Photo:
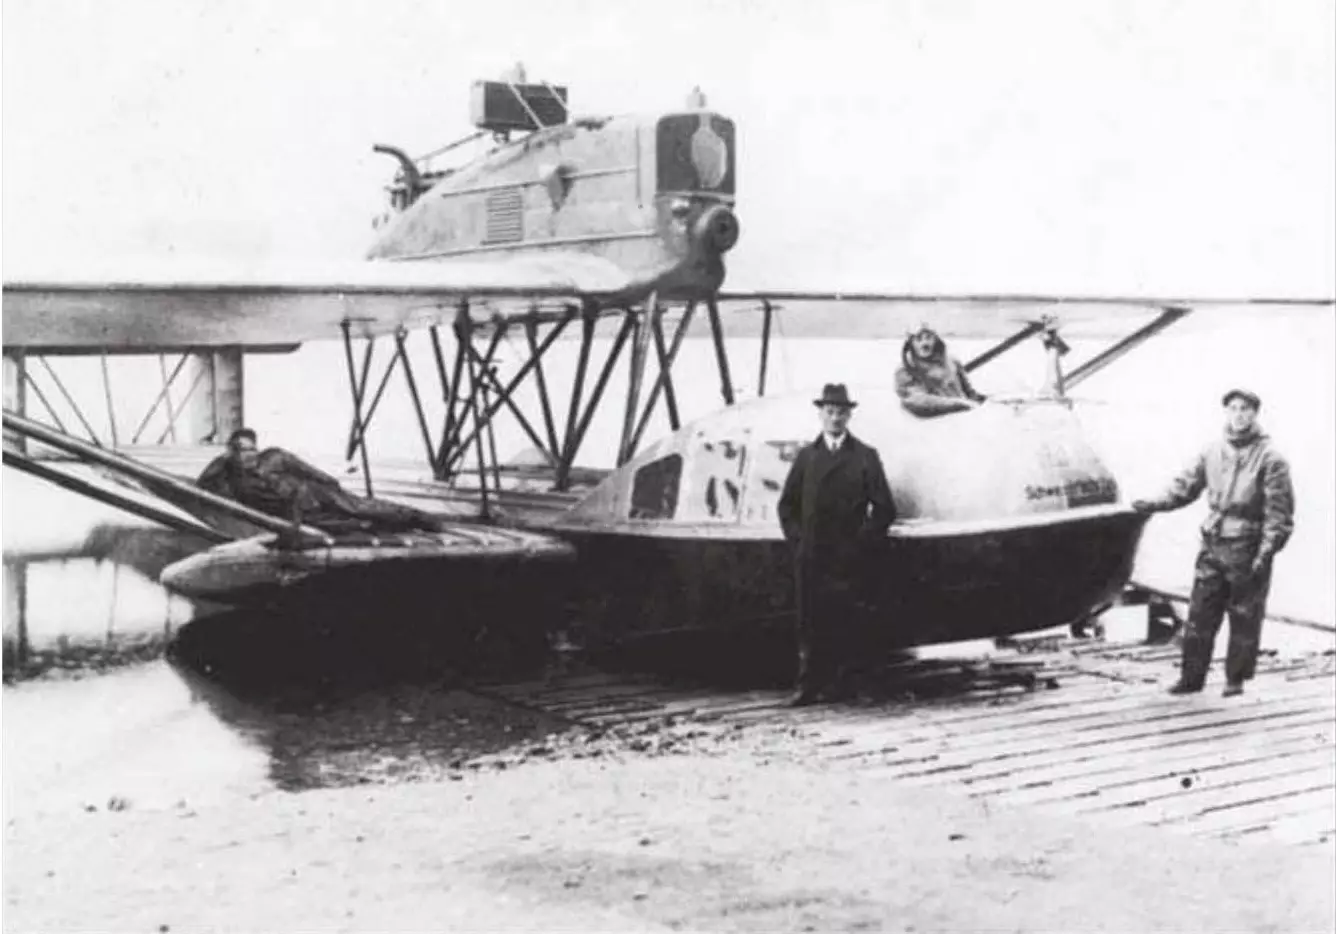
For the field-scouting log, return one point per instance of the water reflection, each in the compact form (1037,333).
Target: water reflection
(133,736)
(344,701)
(94,599)
(242,706)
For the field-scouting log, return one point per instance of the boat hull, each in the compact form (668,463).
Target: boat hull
(947,586)
(932,585)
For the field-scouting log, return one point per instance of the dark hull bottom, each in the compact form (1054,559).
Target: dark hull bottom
(379,624)
(624,588)
(920,591)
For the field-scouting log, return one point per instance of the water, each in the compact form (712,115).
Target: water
(134,734)
(1147,414)
(162,736)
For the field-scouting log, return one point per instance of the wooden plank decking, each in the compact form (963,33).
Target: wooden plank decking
(1084,729)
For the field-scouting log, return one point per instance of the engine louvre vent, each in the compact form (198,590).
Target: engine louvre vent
(505,216)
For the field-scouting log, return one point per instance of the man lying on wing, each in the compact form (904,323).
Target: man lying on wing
(281,484)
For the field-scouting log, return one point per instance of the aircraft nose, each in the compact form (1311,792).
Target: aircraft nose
(717,228)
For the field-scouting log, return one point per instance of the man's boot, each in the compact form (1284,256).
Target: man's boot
(1192,671)
(1234,688)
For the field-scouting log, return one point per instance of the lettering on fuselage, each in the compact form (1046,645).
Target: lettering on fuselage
(1085,492)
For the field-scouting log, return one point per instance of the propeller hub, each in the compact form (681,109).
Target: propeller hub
(717,228)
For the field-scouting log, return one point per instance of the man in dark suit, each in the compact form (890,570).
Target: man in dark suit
(835,509)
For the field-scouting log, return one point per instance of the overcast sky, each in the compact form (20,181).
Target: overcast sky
(1047,146)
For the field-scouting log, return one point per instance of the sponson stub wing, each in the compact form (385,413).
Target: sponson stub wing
(155,306)
(258,569)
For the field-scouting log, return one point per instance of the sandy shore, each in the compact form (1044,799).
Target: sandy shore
(713,835)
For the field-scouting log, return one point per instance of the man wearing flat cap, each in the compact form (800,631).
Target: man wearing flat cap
(1250,518)
(835,508)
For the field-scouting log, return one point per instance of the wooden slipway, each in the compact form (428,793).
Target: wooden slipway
(1079,728)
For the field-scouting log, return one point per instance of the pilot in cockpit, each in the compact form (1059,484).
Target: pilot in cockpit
(930,381)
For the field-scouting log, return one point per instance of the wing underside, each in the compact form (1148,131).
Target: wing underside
(138,308)
(157,308)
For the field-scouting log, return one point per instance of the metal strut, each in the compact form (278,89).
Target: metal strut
(720,353)
(190,392)
(41,397)
(665,363)
(544,400)
(399,340)
(163,394)
(573,444)
(768,311)
(452,417)
(358,388)
(484,394)
(643,326)
(997,350)
(166,391)
(398,358)
(463,334)
(590,316)
(664,382)
(111,408)
(506,393)
(65,481)
(505,397)
(69,400)
(1092,366)
(160,482)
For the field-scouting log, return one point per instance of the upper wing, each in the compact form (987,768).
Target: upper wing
(1010,299)
(157,308)
(890,314)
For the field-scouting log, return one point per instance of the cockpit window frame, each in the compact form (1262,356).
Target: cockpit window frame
(666,475)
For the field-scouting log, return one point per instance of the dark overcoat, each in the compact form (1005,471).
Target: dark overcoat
(835,504)
(834,509)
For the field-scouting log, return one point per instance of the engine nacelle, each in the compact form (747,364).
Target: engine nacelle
(652,194)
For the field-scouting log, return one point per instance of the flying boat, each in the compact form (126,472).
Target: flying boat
(563,226)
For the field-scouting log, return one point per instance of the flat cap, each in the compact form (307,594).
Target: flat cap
(1249,397)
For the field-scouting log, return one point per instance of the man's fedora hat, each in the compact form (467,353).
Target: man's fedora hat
(1249,397)
(835,394)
